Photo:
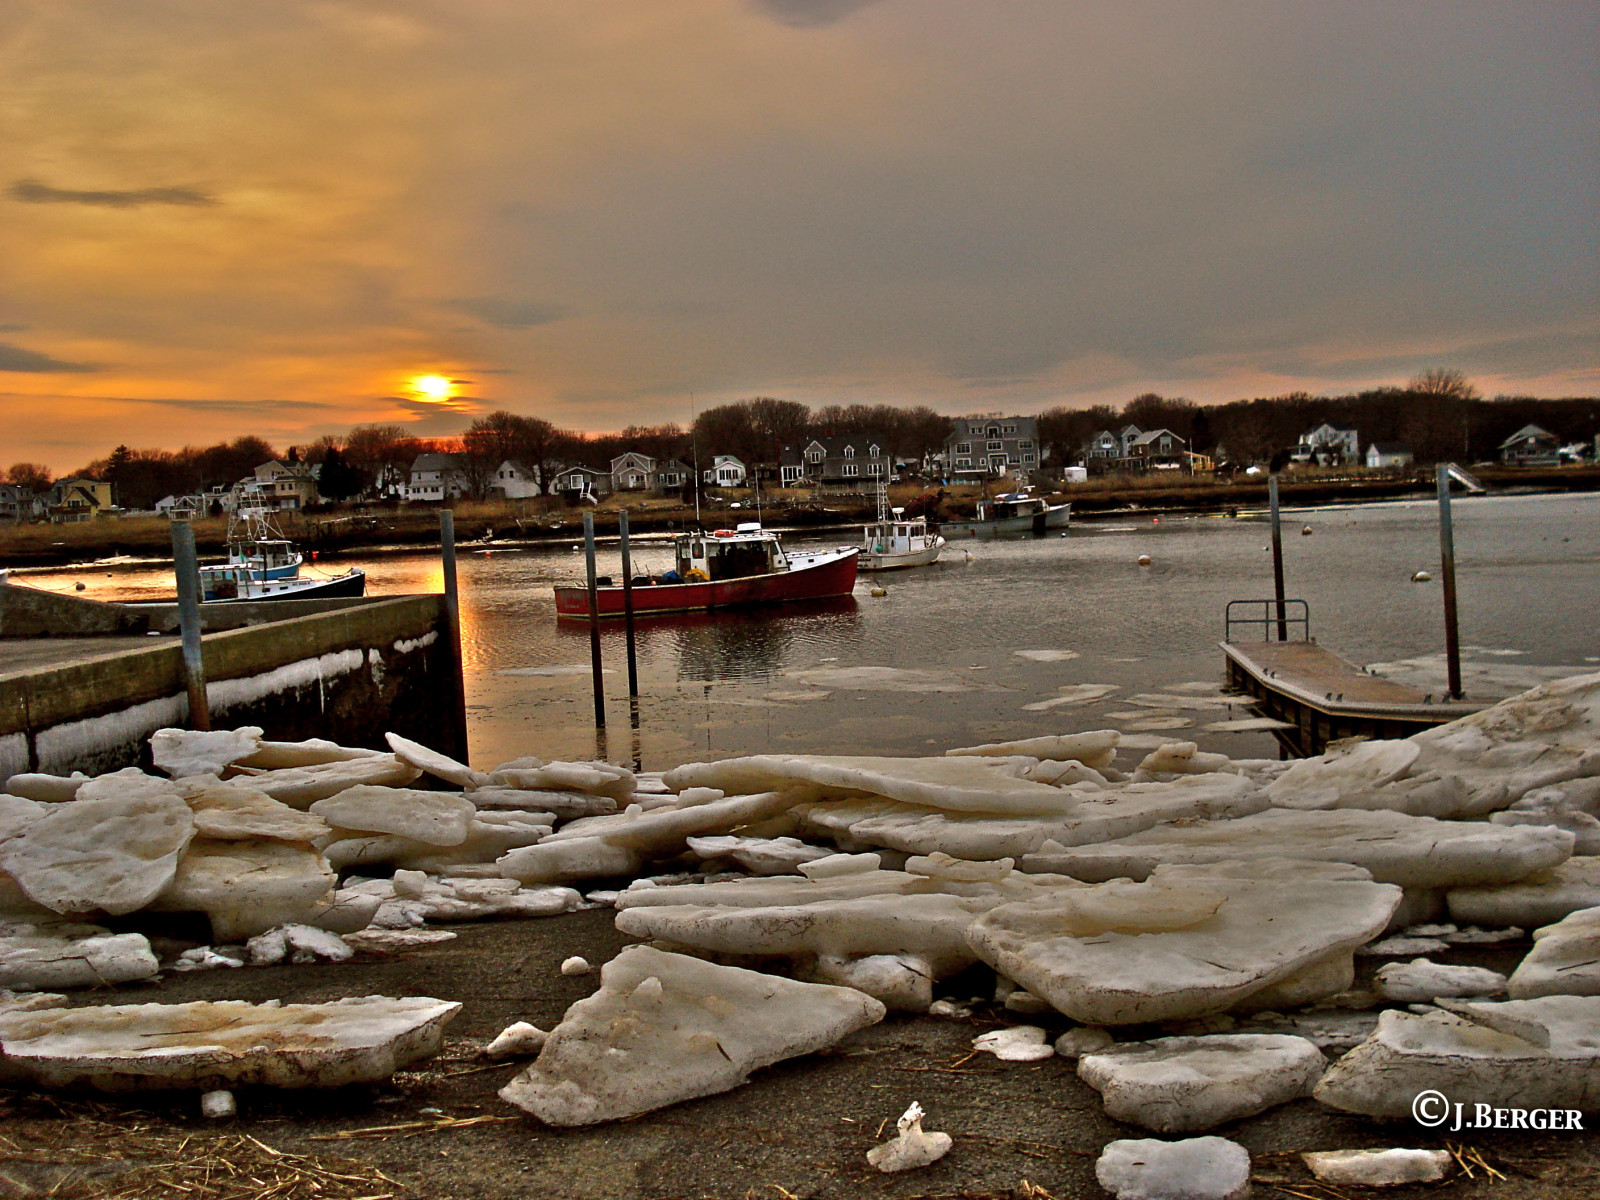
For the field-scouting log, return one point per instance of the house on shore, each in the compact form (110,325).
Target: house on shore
(1328,447)
(579,483)
(725,471)
(78,499)
(287,486)
(834,462)
(436,478)
(17,503)
(1531,446)
(1389,454)
(981,447)
(515,480)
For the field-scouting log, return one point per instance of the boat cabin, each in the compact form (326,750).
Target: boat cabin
(729,554)
(1012,504)
(895,537)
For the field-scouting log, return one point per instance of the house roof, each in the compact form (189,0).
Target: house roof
(1525,433)
(1390,447)
(434,462)
(1144,439)
(643,461)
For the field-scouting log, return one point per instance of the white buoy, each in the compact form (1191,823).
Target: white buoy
(218,1105)
(1144,560)
(1422,577)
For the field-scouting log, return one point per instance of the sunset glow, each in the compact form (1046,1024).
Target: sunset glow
(433,388)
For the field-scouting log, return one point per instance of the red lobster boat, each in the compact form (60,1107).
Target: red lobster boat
(724,569)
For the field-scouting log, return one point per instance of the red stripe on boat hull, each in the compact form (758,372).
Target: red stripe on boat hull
(836,577)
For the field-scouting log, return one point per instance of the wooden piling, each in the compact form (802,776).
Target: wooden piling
(1447,575)
(187,566)
(594,624)
(1277,558)
(627,605)
(452,616)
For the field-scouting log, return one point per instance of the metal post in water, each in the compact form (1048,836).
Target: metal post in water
(187,566)
(452,617)
(1277,558)
(627,604)
(594,624)
(1447,575)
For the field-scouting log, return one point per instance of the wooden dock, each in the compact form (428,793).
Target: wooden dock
(1326,698)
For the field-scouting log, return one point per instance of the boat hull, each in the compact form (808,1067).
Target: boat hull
(895,559)
(353,583)
(1057,516)
(810,577)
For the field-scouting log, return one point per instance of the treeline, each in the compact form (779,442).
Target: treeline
(1438,415)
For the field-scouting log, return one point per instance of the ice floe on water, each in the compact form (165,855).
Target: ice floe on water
(1097,884)
(1047,655)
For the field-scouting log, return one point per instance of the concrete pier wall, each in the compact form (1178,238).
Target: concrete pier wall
(347,670)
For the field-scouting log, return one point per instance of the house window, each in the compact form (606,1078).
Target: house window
(995,445)
(1025,444)
(963,462)
(814,456)
(963,447)
(849,451)
(850,470)
(1027,458)
(994,431)
(875,468)
(872,450)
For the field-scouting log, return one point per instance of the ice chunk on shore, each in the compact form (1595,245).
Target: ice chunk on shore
(760,856)
(248,887)
(664,1028)
(1441,1051)
(1533,900)
(568,861)
(301,787)
(565,805)
(596,778)
(961,784)
(431,762)
(1564,961)
(1207,1168)
(517,1040)
(1017,1043)
(912,1148)
(112,855)
(238,812)
(1378,1168)
(1189,941)
(181,752)
(276,756)
(47,789)
(1189,1084)
(1421,980)
(223,1044)
(42,958)
(434,818)
(1395,848)
(1351,771)
(1096,748)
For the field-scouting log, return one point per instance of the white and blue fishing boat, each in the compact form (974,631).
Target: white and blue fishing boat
(263,564)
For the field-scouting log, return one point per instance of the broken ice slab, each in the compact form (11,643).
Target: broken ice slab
(36,957)
(435,818)
(1378,1168)
(1421,980)
(596,778)
(223,1044)
(1537,899)
(1564,961)
(1468,1061)
(1101,814)
(961,784)
(237,812)
(431,762)
(1191,940)
(181,752)
(1204,1168)
(565,805)
(844,917)
(1395,848)
(1191,1084)
(276,756)
(301,787)
(48,789)
(246,888)
(108,854)
(664,1028)
(1096,748)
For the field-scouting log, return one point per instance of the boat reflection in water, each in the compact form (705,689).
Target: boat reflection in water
(731,645)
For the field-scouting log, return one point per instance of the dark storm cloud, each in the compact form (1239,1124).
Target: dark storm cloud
(31,191)
(15,358)
(507,313)
(805,14)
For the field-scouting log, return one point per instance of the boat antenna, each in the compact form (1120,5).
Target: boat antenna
(694,444)
(758,493)
(883,499)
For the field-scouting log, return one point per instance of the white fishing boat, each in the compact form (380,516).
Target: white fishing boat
(1013,512)
(896,540)
(265,565)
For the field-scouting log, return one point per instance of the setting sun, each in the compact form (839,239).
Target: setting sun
(432,387)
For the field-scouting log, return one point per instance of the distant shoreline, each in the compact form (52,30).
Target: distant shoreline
(516,524)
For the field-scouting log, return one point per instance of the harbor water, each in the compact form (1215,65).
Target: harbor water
(1002,639)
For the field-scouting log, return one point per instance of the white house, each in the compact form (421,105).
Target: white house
(515,480)
(1328,446)
(182,508)
(436,477)
(725,471)
(1389,454)
(632,472)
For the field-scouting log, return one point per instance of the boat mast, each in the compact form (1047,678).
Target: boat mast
(694,444)
(883,499)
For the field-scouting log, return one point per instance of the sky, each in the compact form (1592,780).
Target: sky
(273,218)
